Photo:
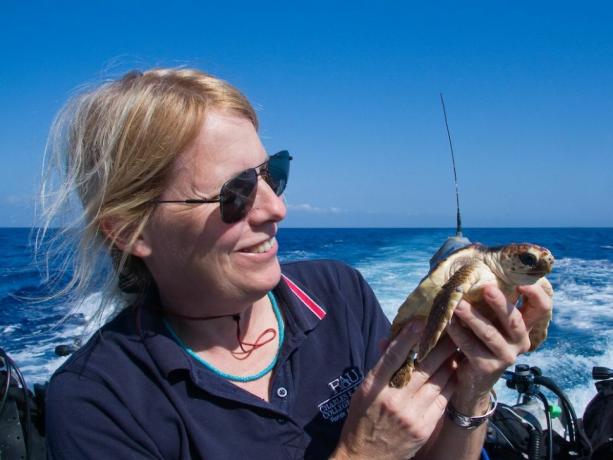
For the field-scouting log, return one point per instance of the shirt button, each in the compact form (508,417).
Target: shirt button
(281,392)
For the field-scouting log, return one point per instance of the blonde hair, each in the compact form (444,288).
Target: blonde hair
(109,154)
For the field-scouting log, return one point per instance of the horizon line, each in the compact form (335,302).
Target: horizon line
(387,227)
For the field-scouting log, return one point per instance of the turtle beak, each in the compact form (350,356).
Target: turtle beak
(543,266)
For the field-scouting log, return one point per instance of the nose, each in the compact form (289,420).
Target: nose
(267,206)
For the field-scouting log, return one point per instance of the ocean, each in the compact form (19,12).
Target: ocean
(393,261)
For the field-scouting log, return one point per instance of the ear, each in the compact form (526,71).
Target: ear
(120,235)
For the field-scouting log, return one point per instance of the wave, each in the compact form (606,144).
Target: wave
(297,255)
(34,351)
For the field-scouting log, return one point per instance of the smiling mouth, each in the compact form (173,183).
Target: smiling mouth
(262,247)
(538,273)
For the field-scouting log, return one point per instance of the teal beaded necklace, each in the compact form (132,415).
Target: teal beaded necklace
(225,375)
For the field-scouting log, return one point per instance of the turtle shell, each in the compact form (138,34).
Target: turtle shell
(463,274)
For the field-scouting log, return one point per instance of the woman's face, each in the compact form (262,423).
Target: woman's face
(196,258)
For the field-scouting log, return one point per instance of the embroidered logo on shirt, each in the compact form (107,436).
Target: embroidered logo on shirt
(336,407)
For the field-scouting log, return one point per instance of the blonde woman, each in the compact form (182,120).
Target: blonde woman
(219,351)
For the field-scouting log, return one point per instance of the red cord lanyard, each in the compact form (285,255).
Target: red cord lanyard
(244,353)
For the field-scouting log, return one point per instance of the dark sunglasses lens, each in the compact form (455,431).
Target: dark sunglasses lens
(237,196)
(277,171)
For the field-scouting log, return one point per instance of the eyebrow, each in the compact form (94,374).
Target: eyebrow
(196,192)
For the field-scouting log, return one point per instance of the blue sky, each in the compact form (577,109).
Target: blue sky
(352,90)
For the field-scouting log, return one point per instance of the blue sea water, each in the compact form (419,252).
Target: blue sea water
(393,261)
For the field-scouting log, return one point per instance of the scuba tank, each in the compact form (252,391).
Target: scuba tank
(598,415)
(534,428)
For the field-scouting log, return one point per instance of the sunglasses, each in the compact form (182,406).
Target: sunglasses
(237,195)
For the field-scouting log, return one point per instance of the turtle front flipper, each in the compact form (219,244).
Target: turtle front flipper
(443,305)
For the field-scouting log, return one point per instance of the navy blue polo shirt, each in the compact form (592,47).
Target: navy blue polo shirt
(132,392)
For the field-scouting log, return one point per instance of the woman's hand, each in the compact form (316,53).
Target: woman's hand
(488,348)
(386,422)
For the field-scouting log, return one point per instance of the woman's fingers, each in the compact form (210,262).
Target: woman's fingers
(397,352)
(385,422)
(511,328)
(426,368)
(481,339)
(537,304)
(466,340)
(509,317)
(515,323)
(438,389)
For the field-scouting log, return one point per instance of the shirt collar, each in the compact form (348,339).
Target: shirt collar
(301,309)
(301,306)
(166,353)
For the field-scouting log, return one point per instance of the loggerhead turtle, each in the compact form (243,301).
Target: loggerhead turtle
(463,274)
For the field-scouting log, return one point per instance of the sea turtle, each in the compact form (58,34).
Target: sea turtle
(463,274)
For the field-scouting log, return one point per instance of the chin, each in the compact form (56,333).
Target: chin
(263,281)
(273,276)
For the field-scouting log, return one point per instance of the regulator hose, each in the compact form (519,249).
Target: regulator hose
(577,437)
(534,444)
(542,397)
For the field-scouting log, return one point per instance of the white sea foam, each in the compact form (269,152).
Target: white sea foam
(393,279)
(583,294)
(10,328)
(39,371)
(584,307)
(583,304)
(36,356)
(572,372)
(298,255)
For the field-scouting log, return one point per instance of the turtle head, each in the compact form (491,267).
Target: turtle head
(524,263)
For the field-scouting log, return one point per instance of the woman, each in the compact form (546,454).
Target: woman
(220,351)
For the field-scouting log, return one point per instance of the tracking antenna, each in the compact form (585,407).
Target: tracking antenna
(458,241)
(455,176)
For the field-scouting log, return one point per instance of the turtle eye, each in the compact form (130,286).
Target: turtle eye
(528,259)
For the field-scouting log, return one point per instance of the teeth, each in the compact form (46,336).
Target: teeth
(265,246)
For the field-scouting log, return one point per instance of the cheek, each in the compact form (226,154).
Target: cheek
(214,242)
(175,234)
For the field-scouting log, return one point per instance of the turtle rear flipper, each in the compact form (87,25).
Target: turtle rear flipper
(441,312)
